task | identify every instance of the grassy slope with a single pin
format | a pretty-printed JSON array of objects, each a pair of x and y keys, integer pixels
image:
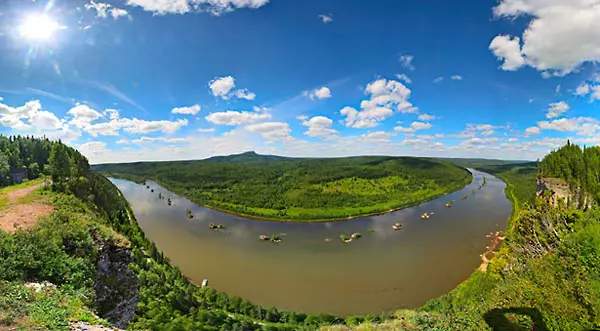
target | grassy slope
[
  {"x": 559, "y": 290},
  {"x": 301, "y": 189}
]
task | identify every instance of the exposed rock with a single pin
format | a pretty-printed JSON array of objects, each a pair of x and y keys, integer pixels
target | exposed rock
[
  {"x": 116, "y": 286},
  {"x": 559, "y": 189},
  {"x": 84, "y": 326}
]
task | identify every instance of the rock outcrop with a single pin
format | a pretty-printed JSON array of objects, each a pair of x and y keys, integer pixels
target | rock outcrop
[
  {"x": 558, "y": 189},
  {"x": 116, "y": 286}
]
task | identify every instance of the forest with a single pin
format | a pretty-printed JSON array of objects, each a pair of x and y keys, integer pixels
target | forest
[
  {"x": 302, "y": 189},
  {"x": 545, "y": 276}
]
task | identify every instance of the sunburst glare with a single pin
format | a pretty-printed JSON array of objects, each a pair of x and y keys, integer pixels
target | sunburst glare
[{"x": 39, "y": 28}]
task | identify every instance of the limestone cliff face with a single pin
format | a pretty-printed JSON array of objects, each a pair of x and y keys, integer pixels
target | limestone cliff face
[
  {"x": 560, "y": 190},
  {"x": 116, "y": 286}
]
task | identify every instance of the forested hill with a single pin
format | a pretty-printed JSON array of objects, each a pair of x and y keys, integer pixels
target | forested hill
[
  {"x": 281, "y": 188},
  {"x": 578, "y": 167}
]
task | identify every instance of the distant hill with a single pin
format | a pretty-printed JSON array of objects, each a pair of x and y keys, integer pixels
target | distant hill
[
  {"x": 307, "y": 189},
  {"x": 248, "y": 157}
]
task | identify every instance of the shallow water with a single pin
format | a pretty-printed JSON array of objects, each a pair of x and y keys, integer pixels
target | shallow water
[{"x": 382, "y": 271}]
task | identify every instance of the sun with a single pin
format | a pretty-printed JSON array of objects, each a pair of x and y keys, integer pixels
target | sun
[{"x": 39, "y": 28}]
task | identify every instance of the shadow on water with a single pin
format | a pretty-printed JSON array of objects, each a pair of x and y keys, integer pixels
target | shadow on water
[{"x": 515, "y": 319}]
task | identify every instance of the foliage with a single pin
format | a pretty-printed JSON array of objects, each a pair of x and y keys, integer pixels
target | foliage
[
  {"x": 580, "y": 168},
  {"x": 301, "y": 189}
]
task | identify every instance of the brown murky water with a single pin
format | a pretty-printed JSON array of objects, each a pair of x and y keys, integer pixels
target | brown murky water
[{"x": 383, "y": 271}]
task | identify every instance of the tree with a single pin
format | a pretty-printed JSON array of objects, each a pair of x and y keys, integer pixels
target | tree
[
  {"x": 60, "y": 164},
  {"x": 34, "y": 171},
  {"x": 4, "y": 167}
]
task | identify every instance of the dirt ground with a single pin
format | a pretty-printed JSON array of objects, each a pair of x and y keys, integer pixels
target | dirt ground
[{"x": 17, "y": 215}]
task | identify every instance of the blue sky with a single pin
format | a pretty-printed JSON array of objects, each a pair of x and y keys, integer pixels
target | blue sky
[{"x": 187, "y": 79}]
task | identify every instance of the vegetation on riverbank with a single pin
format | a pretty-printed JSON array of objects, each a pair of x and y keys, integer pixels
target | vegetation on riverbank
[
  {"x": 279, "y": 188},
  {"x": 546, "y": 275}
]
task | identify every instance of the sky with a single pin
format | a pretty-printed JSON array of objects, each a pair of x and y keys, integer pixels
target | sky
[{"x": 141, "y": 80}]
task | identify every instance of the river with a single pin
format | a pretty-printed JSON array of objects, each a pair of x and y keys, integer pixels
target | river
[{"x": 382, "y": 271}]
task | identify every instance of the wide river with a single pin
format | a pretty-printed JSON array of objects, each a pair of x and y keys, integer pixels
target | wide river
[{"x": 382, "y": 271}]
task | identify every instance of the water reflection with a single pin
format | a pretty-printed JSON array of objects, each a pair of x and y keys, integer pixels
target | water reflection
[{"x": 382, "y": 271}]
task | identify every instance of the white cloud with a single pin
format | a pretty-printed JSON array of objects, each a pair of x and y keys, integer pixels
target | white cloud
[
  {"x": 404, "y": 78},
  {"x": 103, "y": 10},
  {"x": 509, "y": 50},
  {"x": 206, "y": 130},
  {"x": 487, "y": 133},
  {"x": 532, "y": 131},
  {"x": 457, "y": 77},
  {"x": 222, "y": 87},
  {"x": 414, "y": 127},
  {"x": 160, "y": 139},
  {"x": 232, "y": 117},
  {"x": 513, "y": 140},
  {"x": 320, "y": 93},
  {"x": 191, "y": 110},
  {"x": 302, "y": 117},
  {"x": 244, "y": 94},
  {"x": 112, "y": 114},
  {"x": 92, "y": 149},
  {"x": 479, "y": 141},
  {"x": 135, "y": 126},
  {"x": 378, "y": 137},
  {"x": 271, "y": 131},
  {"x": 426, "y": 117},
  {"x": 562, "y": 35},
  {"x": 583, "y": 126},
  {"x": 123, "y": 142},
  {"x": 326, "y": 18},
  {"x": 319, "y": 126},
  {"x": 557, "y": 109},
  {"x": 385, "y": 95},
  {"x": 83, "y": 115},
  {"x": 583, "y": 90},
  {"x": 215, "y": 7},
  {"x": 406, "y": 61},
  {"x": 438, "y": 80},
  {"x": 45, "y": 120},
  {"x": 484, "y": 127}
]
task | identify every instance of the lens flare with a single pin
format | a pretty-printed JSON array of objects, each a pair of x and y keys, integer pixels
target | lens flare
[{"x": 39, "y": 28}]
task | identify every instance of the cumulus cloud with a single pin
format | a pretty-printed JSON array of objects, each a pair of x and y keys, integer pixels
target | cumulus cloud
[
  {"x": 31, "y": 111},
  {"x": 83, "y": 115},
  {"x": 326, "y": 18},
  {"x": 134, "y": 125},
  {"x": 561, "y": 36},
  {"x": 191, "y": 110},
  {"x": 378, "y": 137},
  {"x": 533, "y": 130},
  {"x": 45, "y": 120},
  {"x": 232, "y": 117},
  {"x": 385, "y": 97},
  {"x": 438, "y": 80},
  {"x": 557, "y": 109},
  {"x": 406, "y": 61},
  {"x": 112, "y": 113},
  {"x": 508, "y": 49},
  {"x": 271, "y": 131},
  {"x": 319, "y": 126},
  {"x": 206, "y": 130},
  {"x": 404, "y": 78},
  {"x": 320, "y": 93},
  {"x": 457, "y": 77},
  {"x": 583, "y": 126},
  {"x": 426, "y": 117},
  {"x": 104, "y": 10},
  {"x": 215, "y": 7},
  {"x": 222, "y": 87},
  {"x": 414, "y": 127},
  {"x": 160, "y": 139}
]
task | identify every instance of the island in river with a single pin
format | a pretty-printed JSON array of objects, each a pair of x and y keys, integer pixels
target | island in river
[{"x": 301, "y": 189}]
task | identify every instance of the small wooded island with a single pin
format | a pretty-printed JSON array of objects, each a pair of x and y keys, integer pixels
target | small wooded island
[{"x": 301, "y": 189}]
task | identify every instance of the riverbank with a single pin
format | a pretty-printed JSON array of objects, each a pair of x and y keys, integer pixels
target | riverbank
[{"x": 376, "y": 212}]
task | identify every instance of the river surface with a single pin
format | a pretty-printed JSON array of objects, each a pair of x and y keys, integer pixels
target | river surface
[{"x": 382, "y": 271}]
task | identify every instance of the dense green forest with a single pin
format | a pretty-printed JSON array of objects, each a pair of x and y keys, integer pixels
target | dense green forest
[
  {"x": 18, "y": 152},
  {"x": 281, "y": 188}
]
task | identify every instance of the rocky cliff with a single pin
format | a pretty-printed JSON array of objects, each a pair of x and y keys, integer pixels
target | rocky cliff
[{"x": 116, "y": 286}]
